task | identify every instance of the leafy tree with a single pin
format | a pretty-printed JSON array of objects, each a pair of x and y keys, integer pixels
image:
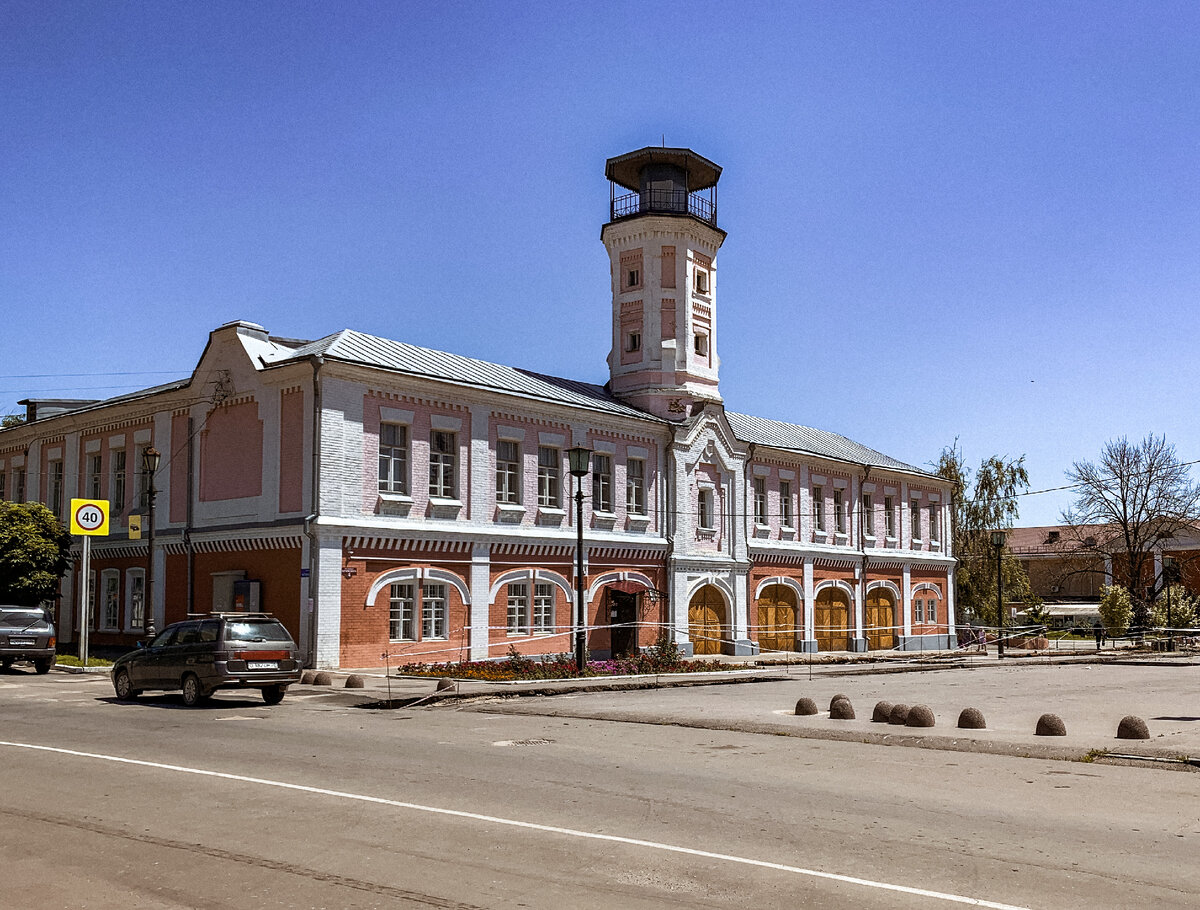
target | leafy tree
[
  {"x": 12, "y": 420},
  {"x": 1116, "y": 609},
  {"x": 1137, "y": 497},
  {"x": 34, "y": 553},
  {"x": 982, "y": 502},
  {"x": 1184, "y": 609}
]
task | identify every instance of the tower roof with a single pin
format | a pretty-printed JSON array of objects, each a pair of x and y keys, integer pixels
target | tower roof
[{"x": 624, "y": 170}]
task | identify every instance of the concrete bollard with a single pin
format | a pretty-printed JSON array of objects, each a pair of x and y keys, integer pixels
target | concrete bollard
[
  {"x": 1132, "y": 727},
  {"x": 898, "y": 715},
  {"x": 445, "y": 683},
  {"x": 883, "y": 710},
  {"x": 837, "y": 698},
  {"x": 920, "y": 716},
  {"x": 322, "y": 679},
  {"x": 1050, "y": 725},
  {"x": 841, "y": 709},
  {"x": 354, "y": 681},
  {"x": 307, "y": 677},
  {"x": 806, "y": 706},
  {"x": 971, "y": 719}
]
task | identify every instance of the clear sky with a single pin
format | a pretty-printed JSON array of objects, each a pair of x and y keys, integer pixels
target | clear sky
[{"x": 946, "y": 220}]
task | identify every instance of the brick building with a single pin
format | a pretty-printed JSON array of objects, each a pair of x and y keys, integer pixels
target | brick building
[{"x": 381, "y": 497}]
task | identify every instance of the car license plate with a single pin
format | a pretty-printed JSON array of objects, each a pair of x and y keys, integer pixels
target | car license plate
[
  {"x": 23, "y": 642},
  {"x": 263, "y": 664}
]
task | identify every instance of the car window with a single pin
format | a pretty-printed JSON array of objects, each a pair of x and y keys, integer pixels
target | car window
[
  {"x": 165, "y": 637},
  {"x": 189, "y": 635},
  {"x": 256, "y": 630},
  {"x": 209, "y": 630}
]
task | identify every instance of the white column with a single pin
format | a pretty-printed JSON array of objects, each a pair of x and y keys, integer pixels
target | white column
[
  {"x": 329, "y": 601},
  {"x": 481, "y": 583},
  {"x": 809, "y": 596},
  {"x": 906, "y": 597},
  {"x": 950, "y": 603}
]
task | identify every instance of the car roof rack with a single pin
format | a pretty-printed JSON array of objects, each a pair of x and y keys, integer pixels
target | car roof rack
[{"x": 221, "y": 614}]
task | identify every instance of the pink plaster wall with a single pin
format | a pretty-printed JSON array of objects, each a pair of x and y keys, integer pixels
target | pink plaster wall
[
  {"x": 291, "y": 451},
  {"x": 231, "y": 453},
  {"x": 178, "y": 467}
]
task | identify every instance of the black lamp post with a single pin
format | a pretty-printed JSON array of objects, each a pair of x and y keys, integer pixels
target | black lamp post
[
  {"x": 150, "y": 459},
  {"x": 1170, "y": 571},
  {"x": 998, "y": 538},
  {"x": 579, "y": 460}
]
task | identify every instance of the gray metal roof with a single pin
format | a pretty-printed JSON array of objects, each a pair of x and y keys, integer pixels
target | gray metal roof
[
  {"x": 370, "y": 350},
  {"x": 793, "y": 437}
]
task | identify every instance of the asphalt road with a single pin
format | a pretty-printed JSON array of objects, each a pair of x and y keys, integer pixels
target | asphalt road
[{"x": 315, "y": 804}]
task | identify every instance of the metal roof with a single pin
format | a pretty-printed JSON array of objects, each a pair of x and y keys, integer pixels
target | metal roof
[
  {"x": 625, "y": 170},
  {"x": 793, "y": 437},
  {"x": 370, "y": 350}
]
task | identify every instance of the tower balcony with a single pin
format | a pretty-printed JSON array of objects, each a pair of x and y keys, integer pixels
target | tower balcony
[{"x": 664, "y": 201}]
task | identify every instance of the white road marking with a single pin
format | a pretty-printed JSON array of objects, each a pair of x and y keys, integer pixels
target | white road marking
[{"x": 531, "y": 826}]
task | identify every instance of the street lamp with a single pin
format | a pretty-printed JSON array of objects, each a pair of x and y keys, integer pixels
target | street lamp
[
  {"x": 998, "y": 538},
  {"x": 1170, "y": 571},
  {"x": 150, "y": 459},
  {"x": 579, "y": 460}
]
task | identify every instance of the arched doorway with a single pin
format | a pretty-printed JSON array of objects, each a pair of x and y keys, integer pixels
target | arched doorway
[
  {"x": 706, "y": 620},
  {"x": 777, "y": 618},
  {"x": 880, "y": 620},
  {"x": 831, "y": 620}
]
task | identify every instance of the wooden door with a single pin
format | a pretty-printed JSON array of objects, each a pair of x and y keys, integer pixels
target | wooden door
[
  {"x": 623, "y": 616},
  {"x": 777, "y": 619},
  {"x": 706, "y": 620},
  {"x": 880, "y": 620},
  {"x": 831, "y": 619}
]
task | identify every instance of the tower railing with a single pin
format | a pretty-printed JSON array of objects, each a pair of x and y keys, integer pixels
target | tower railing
[{"x": 664, "y": 201}]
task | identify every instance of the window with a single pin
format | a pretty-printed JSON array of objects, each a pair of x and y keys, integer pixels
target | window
[
  {"x": 18, "y": 485},
  {"x": 931, "y": 610},
  {"x": 110, "y": 604},
  {"x": 401, "y": 625},
  {"x": 914, "y": 508},
  {"x": 633, "y": 342},
  {"x": 602, "y": 493},
  {"x": 116, "y": 487},
  {"x": 933, "y": 522},
  {"x": 839, "y": 512},
  {"x": 393, "y": 458},
  {"x": 549, "y": 469},
  {"x": 701, "y": 281},
  {"x": 518, "y": 609},
  {"x": 704, "y": 510},
  {"x": 700, "y": 342},
  {"x": 918, "y": 610},
  {"x": 889, "y": 516},
  {"x": 760, "y": 500},
  {"x": 635, "y": 486},
  {"x": 135, "y": 610},
  {"x": 441, "y": 464},
  {"x": 785, "y": 503},
  {"x": 433, "y": 611},
  {"x": 508, "y": 471},
  {"x": 868, "y": 515},
  {"x": 633, "y": 277},
  {"x": 818, "y": 508},
  {"x": 94, "y": 477},
  {"x": 54, "y": 498},
  {"x": 543, "y": 608}
]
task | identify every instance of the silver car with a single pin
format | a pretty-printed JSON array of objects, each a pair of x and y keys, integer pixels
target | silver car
[{"x": 26, "y": 633}]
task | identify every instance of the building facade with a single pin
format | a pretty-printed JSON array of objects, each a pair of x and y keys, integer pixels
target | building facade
[{"x": 391, "y": 502}]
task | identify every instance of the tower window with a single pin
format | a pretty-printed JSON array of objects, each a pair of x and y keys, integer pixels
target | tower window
[
  {"x": 700, "y": 343},
  {"x": 633, "y": 342},
  {"x": 633, "y": 278},
  {"x": 701, "y": 281}
]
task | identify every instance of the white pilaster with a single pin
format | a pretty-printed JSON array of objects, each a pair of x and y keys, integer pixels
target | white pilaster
[
  {"x": 329, "y": 601},
  {"x": 906, "y": 596},
  {"x": 480, "y": 603}
]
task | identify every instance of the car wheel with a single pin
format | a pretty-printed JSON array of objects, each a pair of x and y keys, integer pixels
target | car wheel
[
  {"x": 124, "y": 686},
  {"x": 273, "y": 695},
  {"x": 193, "y": 692},
  {"x": 6, "y": 663},
  {"x": 43, "y": 665}
]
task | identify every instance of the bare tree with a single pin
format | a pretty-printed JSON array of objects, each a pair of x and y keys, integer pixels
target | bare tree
[{"x": 1135, "y": 499}]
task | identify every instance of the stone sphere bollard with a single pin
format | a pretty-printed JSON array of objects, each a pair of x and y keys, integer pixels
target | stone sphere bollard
[
  {"x": 883, "y": 710},
  {"x": 355, "y": 682},
  {"x": 1132, "y": 727},
  {"x": 837, "y": 698},
  {"x": 322, "y": 679},
  {"x": 898, "y": 715},
  {"x": 920, "y": 716},
  {"x": 445, "y": 683},
  {"x": 307, "y": 677},
  {"x": 841, "y": 709},
  {"x": 971, "y": 719},
  {"x": 806, "y": 706},
  {"x": 1050, "y": 725}
]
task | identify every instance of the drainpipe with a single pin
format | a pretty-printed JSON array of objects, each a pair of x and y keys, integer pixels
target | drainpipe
[
  {"x": 862, "y": 542},
  {"x": 310, "y": 521},
  {"x": 189, "y": 549}
]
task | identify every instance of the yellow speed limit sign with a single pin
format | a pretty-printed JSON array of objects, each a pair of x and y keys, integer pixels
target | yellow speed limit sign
[{"x": 89, "y": 517}]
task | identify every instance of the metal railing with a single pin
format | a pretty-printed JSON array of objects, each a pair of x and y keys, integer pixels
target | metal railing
[{"x": 676, "y": 202}]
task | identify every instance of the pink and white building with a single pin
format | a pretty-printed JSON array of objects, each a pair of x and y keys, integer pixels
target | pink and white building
[{"x": 381, "y": 497}]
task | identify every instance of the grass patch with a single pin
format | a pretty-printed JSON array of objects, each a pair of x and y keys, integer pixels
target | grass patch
[
  {"x": 1092, "y": 754},
  {"x": 68, "y": 660}
]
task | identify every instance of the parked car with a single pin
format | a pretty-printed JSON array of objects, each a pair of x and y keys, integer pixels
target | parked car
[
  {"x": 26, "y": 633},
  {"x": 210, "y": 652}
]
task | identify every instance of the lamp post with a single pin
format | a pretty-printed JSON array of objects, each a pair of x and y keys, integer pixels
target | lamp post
[
  {"x": 998, "y": 538},
  {"x": 1170, "y": 571},
  {"x": 579, "y": 461},
  {"x": 150, "y": 459}
]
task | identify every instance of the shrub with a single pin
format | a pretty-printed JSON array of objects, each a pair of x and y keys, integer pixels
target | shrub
[{"x": 1116, "y": 609}]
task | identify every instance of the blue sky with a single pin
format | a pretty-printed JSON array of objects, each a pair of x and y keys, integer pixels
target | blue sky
[{"x": 946, "y": 220}]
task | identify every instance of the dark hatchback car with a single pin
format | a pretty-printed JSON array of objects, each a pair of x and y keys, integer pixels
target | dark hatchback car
[
  {"x": 216, "y": 651},
  {"x": 26, "y": 633}
]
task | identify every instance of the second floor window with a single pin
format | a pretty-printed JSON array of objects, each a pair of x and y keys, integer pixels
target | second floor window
[
  {"x": 760, "y": 500},
  {"x": 54, "y": 498},
  {"x": 818, "y": 508},
  {"x": 549, "y": 471},
  {"x": 635, "y": 486},
  {"x": 915, "y": 513},
  {"x": 602, "y": 498},
  {"x": 839, "y": 511},
  {"x": 393, "y": 458},
  {"x": 868, "y": 515},
  {"x": 889, "y": 516},
  {"x": 785, "y": 504},
  {"x": 3, "y": 477},
  {"x": 508, "y": 472},
  {"x": 19, "y": 485},
  {"x": 705, "y": 516},
  {"x": 93, "y": 478},
  {"x": 933, "y": 522},
  {"x": 441, "y": 464},
  {"x": 117, "y": 487}
]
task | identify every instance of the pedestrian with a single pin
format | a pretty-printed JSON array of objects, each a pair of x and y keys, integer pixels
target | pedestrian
[{"x": 1098, "y": 631}]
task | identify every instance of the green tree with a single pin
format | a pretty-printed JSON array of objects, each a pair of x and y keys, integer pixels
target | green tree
[
  {"x": 1116, "y": 609},
  {"x": 1183, "y": 609},
  {"x": 12, "y": 420},
  {"x": 34, "y": 553},
  {"x": 984, "y": 501}
]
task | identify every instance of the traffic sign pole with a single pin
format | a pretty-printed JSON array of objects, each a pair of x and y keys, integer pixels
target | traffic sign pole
[{"x": 84, "y": 598}]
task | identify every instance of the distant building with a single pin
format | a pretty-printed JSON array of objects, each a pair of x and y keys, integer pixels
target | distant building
[{"x": 385, "y": 498}]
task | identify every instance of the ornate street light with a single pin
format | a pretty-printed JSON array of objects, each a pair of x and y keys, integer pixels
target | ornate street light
[
  {"x": 998, "y": 539},
  {"x": 579, "y": 461},
  {"x": 150, "y": 460}
]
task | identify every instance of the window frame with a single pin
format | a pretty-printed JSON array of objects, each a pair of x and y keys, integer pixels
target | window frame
[
  {"x": 517, "y": 614},
  {"x": 95, "y": 475},
  {"x": 914, "y": 520},
  {"x": 106, "y": 602},
  {"x": 135, "y": 621},
  {"x": 434, "y": 612},
  {"x": 818, "y": 509},
  {"x": 402, "y": 611},
  {"x": 509, "y": 475},
  {"x": 545, "y": 602},
  {"x": 840, "y": 525},
  {"x": 118, "y": 468},
  {"x": 706, "y": 509},
  {"x": 786, "y": 516},
  {"x": 602, "y": 483},
  {"x": 635, "y": 486},
  {"x": 889, "y": 517},
  {"x": 443, "y": 464},
  {"x": 759, "y": 487},
  {"x": 868, "y": 515},
  {"x": 549, "y": 477},
  {"x": 393, "y": 453}
]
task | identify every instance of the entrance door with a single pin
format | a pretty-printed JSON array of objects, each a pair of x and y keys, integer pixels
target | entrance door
[
  {"x": 831, "y": 619},
  {"x": 777, "y": 618},
  {"x": 880, "y": 619},
  {"x": 622, "y": 612},
  {"x": 706, "y": 620}
]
